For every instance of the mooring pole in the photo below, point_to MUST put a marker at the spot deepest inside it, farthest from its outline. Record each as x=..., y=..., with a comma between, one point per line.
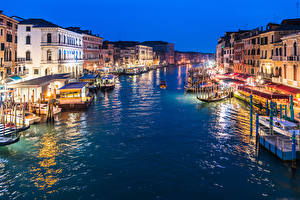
x=280, y=111
x=294, y=150
x=251, y=115
x=257, y=125
x=271, y=120
x=267, y=108
x=292, y=109
x=285, y=116
x=276, y=111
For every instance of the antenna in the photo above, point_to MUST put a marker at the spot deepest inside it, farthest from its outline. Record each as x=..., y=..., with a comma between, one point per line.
x=297, y=6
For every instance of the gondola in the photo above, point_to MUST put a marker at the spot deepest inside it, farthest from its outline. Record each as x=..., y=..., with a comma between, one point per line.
x=219, y=98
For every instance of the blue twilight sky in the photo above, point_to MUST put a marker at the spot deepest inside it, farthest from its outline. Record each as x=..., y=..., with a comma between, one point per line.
x=191, y=24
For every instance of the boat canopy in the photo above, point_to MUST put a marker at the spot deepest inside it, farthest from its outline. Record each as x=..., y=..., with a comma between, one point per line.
x=89, y=76
x=108, y=77
x=74, y=85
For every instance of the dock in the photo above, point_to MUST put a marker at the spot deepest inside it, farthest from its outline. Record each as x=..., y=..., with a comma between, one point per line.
x=277, y=144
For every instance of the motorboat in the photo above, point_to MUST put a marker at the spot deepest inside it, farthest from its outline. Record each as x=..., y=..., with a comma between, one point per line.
x=282, y=127
x=42, y=109
x=108, y=82
x=163, y=85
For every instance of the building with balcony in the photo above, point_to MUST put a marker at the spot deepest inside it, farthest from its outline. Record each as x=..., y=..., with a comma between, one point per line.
x=8, y=46
x=45, y=48
x=92, y=45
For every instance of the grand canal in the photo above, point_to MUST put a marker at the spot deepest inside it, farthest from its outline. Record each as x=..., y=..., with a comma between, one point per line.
x=141, y=142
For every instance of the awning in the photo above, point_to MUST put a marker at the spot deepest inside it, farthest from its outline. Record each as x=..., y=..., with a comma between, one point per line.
x=284, y=88
x=263, y=94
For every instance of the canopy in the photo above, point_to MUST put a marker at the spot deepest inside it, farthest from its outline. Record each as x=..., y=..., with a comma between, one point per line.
x=263, y=94
x=284, y=88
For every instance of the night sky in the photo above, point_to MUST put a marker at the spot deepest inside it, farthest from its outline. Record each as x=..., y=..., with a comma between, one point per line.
x=193, y=25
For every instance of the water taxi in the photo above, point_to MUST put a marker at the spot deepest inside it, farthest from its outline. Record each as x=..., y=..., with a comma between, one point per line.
x=108, y=82
x=75, y=96
x=42, y=109
x=163, y=85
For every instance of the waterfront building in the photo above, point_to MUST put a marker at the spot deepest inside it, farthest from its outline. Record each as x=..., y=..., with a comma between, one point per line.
x=251, y=55
x=289, y=71
x=92, y=45
x=8, y=46
x=186, y=58
x=220, y=54
x=162, y=50
x=45, y=48
x=107, y=54
x=144, y=56
x=271, y=46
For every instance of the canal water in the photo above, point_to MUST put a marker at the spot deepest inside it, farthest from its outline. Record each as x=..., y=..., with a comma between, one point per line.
x=143, y=142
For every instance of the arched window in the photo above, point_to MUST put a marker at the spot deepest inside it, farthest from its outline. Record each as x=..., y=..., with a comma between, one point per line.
x=59, y=38
x=28, y=57
x=295, y=49
x=49, y=38
x=65, y=55
x=49, y=55
x=266, y=53
x=59, y=55
x=9, y=55
x=28, y=39
x=284, y=50
x=276, y=52
x=280, y=51
x=64, y=39
x=258, y=51
x=295, y=72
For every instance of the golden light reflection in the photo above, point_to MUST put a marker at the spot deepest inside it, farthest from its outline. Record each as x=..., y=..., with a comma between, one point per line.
x=46, y=175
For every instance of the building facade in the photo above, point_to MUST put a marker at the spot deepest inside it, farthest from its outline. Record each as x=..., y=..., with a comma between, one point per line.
x=162, y=50
x=144, y=55
x=92, y=45
x=45, y=48
x=8, y=46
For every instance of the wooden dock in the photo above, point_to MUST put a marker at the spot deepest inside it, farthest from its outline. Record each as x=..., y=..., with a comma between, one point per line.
x=279, y=145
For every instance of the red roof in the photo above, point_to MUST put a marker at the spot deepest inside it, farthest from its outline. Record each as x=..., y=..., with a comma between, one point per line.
x=285, y=88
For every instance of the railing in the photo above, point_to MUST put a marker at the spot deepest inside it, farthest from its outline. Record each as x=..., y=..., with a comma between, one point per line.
x=293, y=58
x=277, y=58
x=23, y=60
x=265, y=75
x=59, y=44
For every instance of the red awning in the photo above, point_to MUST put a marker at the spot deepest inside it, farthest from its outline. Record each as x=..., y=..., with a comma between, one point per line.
x=284, y=88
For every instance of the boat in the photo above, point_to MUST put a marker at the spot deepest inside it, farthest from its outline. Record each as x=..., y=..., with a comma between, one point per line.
x=108, y=82
x=9, y=140
x=218, y=97
x=163, y=85
x=282, y=127
x=43, y=109
x=75, y=96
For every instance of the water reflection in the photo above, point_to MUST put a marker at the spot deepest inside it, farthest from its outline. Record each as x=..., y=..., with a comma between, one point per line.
x=46, y=173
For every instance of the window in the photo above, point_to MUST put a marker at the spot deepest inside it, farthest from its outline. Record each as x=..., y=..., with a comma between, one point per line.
x=295, y=49
x=28, y=39
x=295, y=72
x=284, y=50
x=49, y=55
x=1, y=32
x=16, y=39
x=2, y=46
x=9, y=37
x=28, y=57
x=258, y=51
x=28, y=28
x=59, y=38
x=59, y=55
x=35, y=71
x=49, y=39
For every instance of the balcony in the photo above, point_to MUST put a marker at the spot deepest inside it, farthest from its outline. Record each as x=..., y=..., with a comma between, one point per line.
x=277, y=79
x=277, y=58
x=46, y=44
x=24, y=61
x=265, y=75
x=293, y=58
